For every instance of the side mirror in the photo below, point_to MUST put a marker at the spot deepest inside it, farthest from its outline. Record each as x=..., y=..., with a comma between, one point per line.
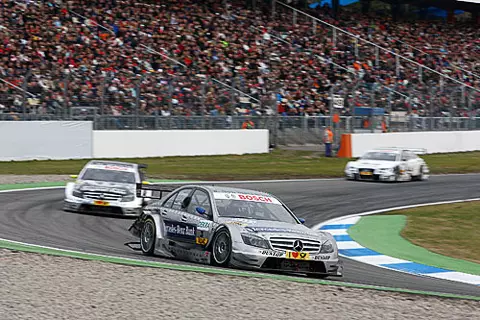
x=145, y=182
x=73, y=176
x=201, y=210
x=302, y=221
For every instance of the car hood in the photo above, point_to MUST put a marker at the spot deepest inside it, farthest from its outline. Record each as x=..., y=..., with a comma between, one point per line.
x=103, y=186
x=373, y=164
x=267, y=229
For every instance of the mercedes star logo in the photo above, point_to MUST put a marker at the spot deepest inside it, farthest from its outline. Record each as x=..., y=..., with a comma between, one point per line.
x=298, y=245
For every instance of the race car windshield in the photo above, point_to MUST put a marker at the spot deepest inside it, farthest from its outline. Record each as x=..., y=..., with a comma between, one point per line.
x=253, y=210
x=383, y=156
x=109, y=176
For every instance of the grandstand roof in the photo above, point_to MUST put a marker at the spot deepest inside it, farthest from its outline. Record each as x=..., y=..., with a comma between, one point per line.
x=443, y=4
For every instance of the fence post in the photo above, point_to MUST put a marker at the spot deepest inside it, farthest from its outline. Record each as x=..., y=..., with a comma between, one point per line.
x=432, y=100
x=137, y=101
x=275, y=118
x=102, y=96
x=372, y=106
x=65, y=95
x=24, y=92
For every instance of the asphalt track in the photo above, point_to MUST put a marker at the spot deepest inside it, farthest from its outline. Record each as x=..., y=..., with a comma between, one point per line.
x=36, y=217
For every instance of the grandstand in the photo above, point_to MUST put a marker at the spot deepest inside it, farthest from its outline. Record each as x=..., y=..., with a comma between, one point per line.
x=144, y=62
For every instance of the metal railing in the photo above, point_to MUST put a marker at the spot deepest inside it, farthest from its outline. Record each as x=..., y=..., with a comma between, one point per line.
x=284, y=130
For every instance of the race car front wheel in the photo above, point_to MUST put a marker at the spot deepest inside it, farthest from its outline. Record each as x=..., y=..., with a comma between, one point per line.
x=147, y=237
x=221, y=248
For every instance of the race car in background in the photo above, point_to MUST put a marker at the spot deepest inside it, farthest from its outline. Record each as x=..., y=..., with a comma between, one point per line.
x=106, y=187
x=232, y=227
x=388, y=164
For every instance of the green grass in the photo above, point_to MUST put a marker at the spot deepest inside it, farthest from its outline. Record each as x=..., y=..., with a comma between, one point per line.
x=279, y=164
x=450, y=229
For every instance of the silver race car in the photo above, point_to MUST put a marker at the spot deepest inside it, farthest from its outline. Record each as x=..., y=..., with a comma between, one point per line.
x=232, y=227
x=106, y=187
x=389, y=164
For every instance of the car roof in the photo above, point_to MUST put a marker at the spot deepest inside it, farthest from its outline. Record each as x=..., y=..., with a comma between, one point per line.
x=109, y=162
x=400, y=149
x=220, y=189
x=391, y=150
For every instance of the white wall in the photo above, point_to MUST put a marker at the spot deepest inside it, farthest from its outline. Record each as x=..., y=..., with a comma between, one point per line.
x=36, y=140
x=161, y=143
x=434, y=142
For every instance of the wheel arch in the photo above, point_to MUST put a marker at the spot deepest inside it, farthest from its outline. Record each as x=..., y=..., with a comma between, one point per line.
x=232, y=229
x=158, y=223
x=69, y=188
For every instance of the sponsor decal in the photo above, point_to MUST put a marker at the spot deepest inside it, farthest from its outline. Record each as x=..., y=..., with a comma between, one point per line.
x=94, y=188
x=115, y=168
x=101, y=203
x=246, y=197
x=323, y=257
x=255, y=198
x=238, y=223
x=180, y=230
x=279, y=230
x=271, y=253
x=201, y=241
x=204, y=225
x=297, y=255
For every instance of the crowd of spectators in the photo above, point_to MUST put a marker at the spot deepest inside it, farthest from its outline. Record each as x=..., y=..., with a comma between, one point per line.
x=207, y=58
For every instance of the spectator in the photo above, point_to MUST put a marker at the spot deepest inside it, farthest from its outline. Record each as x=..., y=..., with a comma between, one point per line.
x=107, y=54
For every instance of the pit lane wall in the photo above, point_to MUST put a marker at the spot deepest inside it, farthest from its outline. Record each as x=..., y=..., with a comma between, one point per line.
x=162, y=143
x=56, y=140
x=354, y=145
x=43, y=140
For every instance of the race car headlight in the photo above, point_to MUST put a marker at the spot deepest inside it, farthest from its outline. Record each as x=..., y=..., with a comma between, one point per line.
x=255, y=241
x=128, y=198
x=327, y=247
x=77, y=193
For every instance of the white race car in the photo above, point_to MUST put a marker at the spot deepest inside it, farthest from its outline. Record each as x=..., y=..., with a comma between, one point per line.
x=388, y=164
x=106, y=187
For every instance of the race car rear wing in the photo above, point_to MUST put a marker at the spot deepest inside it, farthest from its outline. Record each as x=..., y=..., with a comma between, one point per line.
x=417, y=150
x=414, y=150
x=153, y=191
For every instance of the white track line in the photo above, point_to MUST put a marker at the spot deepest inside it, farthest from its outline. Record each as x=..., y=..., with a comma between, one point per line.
x=355, y=251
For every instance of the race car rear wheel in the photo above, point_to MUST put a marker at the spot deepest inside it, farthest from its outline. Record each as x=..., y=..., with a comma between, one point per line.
x=420, y=175
x=221, y=248
x=147, y=237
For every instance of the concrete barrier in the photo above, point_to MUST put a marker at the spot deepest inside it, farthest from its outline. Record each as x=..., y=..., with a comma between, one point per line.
x=37, y=140
x=162, y=143
x=434, y=142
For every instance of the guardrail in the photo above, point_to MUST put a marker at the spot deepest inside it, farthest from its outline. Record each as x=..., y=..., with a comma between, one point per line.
x=283, y=129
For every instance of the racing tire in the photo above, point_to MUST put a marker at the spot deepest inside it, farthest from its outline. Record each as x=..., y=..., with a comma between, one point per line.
x=147, y=237
x=420, y=176
x=222, y=248
x=397, y=174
